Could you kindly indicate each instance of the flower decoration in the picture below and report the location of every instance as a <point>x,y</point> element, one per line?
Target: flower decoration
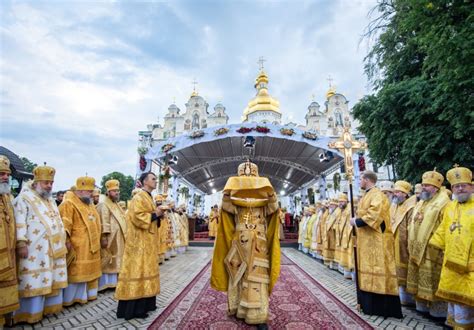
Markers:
<point>167,147</point>
<point>310,135</point>
<point>262,129</point>
<point>244,130</point>
<point>142,150</point>
<point>221,131</point>
<point>196,134</point>
<point>287,131</point>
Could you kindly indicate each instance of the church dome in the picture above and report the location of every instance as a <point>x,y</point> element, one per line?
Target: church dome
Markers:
<point>330,92</point>
<point>263,101</point>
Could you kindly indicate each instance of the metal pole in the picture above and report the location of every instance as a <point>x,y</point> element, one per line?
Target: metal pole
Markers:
<point>354,238</point>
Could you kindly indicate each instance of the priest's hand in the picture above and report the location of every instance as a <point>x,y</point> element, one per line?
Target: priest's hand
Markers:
<point>22,252</point>
<point>159,211</point>
<point>353,221</point>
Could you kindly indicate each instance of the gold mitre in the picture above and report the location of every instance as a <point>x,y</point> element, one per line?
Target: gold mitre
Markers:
<point>418,188</point>
<point>459,175</point>
<point>160,198</point>
<point>85,183</point>
<point>247,169</point>
<point>386,186</point>
<point>96,192</point>
<point>43,173</point>
<point>333,201</point>
<point>433,178</point>
<point>112,185</point>
<point>312,209</point>
<point>5,164</point>
<point>343,198</point>
<point>402,186</point>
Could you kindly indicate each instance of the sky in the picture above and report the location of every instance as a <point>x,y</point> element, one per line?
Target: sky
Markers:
<point>79,79</point>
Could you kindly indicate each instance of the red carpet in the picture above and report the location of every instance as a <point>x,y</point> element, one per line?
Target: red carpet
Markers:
<point>297,302</point>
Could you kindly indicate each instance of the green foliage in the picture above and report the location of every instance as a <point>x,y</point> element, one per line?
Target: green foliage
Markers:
<point>28,164</point>
<point>421,115</point>
<point>126,184</point>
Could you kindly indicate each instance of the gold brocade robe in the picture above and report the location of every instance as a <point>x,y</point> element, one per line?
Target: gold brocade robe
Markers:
<point>314,232</point>
<point>321,231</point>
<point>213,223</point>
<point>309,231</point>
<point>301,228</point>
<point>457,275</point>
<point>400,217</point>
<point>344,249</point>
<point>114,227</point>
<point>139,275</point>
<point>424,266</point>
<point>82,225</point>
<point>184,234</point>
<point>246,261</point>
<point>329,239</point>
<point>8,271</point>
<point>375,249</point>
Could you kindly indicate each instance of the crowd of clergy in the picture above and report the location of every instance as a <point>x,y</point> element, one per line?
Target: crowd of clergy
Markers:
<point>415,248</point>
<point>56,253</point>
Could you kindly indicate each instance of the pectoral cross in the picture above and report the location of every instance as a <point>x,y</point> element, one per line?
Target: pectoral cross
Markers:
<point>346,144</point>
<point>455,225</point>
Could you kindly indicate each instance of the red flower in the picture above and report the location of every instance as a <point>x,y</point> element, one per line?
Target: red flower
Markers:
<point>244,130</point>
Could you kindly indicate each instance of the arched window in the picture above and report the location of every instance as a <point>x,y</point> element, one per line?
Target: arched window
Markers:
<point>195,121</point>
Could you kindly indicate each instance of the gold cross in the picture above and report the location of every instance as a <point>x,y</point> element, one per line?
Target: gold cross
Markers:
<point>346,144</point>
<point>260,62</point>
<point>194,82</point>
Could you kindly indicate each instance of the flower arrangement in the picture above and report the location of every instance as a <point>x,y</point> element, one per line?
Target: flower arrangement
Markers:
<point>244,130</point>
<point>262,129</point>
<point>197,134</point>
<point>310,135</point>
<point>221,131</point>
<point>287,131</point>
<point>167,147</point>
<point>142,151</point>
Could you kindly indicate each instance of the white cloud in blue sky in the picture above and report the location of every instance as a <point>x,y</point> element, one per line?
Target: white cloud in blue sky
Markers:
<point>79,79</point>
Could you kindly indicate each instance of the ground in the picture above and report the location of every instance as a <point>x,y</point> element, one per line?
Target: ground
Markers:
<point>179,271</point>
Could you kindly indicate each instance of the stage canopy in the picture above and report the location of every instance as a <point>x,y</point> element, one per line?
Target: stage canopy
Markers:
<point>285,155</point>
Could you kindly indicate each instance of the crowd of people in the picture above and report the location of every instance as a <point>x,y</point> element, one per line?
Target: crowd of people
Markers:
<point>56,253</point>
<point>411,250</point>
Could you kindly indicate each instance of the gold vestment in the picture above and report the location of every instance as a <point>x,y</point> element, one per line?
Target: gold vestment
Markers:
<point>400,217</point>
<point>8,272</point>
<point>344,248</point>
<point>82,224</point>
<point>375,249</point>
<point>139,275</point>
<point>246,261</point>
<point>114,227</point>
<point>424,266</point>
<point>329,238</point>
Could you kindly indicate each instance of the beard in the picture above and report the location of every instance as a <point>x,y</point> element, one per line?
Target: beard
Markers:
<point>426,196</point>
<point>397,200</point>
<point>85,200</point>
<point>43,193</point>
<point>462,197</point>
<point>115,198</point>
<point>4,188</point>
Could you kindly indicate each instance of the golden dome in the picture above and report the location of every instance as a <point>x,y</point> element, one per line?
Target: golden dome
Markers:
<point>330,92</point>
<point>263,101</point>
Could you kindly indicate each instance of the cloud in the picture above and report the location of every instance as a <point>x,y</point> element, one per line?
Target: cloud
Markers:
<point>79,80</point>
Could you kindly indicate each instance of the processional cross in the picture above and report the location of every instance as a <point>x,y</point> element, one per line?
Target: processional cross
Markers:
<point>346,144</point>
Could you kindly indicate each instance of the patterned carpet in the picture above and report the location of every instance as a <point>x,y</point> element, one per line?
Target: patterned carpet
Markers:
<point>297,302</point>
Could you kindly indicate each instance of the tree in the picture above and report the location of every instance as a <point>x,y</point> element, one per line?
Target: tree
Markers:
<point>421,115</point>
<point>28,164</point>
<point>126,184</point>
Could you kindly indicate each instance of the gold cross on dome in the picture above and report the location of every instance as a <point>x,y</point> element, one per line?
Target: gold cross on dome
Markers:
<point>260,62</point>
<point>194,82</point>
<point>329,79</point>
<point>346,144</point>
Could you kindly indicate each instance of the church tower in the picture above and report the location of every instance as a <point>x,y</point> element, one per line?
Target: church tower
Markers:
<point>263,108</point>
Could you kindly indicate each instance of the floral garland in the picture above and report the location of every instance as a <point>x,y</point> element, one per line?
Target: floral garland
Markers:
<point>287,131</point>
<point>244,130</point>
<point>196,134</point>
<point>221,131</point>
<point>262,129</point>
<point>167,147</point>
<point>310,135</point>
